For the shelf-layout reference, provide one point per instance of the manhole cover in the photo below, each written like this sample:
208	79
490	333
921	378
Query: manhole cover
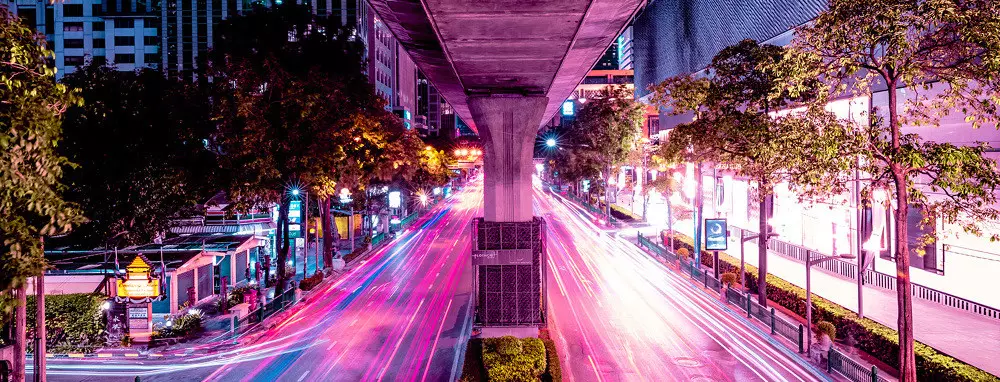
687	362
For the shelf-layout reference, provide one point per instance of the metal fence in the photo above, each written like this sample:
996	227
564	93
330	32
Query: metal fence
276	305
792	331
836	361
879	279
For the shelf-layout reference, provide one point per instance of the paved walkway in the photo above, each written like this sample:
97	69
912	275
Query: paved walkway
967	336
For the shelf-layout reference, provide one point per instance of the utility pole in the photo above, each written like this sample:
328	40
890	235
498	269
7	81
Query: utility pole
40	351
305	235
698	202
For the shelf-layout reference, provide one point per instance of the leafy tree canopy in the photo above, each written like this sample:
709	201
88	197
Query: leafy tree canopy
138	142
31	109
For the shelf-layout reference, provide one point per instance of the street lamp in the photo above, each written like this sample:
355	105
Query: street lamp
810	261
743	240
551	142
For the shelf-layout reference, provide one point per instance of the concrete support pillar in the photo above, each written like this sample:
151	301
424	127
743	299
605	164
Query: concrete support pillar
507	126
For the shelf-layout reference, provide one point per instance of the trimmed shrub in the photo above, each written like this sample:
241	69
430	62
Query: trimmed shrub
728	278
73	322
683	253
871	337
553	373
508	358
310	282
828	328
188	325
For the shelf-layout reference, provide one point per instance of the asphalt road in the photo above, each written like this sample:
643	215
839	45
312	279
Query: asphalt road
618	315
402	314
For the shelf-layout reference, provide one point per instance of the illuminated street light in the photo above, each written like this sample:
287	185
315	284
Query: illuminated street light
295	191
551	142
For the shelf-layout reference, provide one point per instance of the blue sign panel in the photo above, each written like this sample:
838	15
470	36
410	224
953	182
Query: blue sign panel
716	235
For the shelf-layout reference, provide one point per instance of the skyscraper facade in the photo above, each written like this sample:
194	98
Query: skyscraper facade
122	32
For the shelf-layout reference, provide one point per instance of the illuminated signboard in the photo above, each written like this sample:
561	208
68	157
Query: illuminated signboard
139	285
716	235
395	200
567	108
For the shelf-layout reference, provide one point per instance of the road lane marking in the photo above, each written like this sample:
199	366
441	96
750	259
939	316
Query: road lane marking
401	337
331	345
436	338
303	376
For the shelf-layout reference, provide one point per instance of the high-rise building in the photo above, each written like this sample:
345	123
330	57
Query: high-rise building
405	87
624	44
187	28
122	32
608	61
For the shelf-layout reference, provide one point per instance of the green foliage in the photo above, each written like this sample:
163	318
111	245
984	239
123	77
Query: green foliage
553	373
31	109
73	322
310	282
728	278
511	359
828	328
188	325
945	54
472	368
684	253
871	337
138	142
601	137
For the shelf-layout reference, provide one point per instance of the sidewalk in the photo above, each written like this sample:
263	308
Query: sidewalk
946	329
969	337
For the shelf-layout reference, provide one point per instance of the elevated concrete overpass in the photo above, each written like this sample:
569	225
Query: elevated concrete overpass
505	65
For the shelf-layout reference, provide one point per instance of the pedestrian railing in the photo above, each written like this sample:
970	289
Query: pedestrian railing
276	305
379	238
836	361
790	330
879	279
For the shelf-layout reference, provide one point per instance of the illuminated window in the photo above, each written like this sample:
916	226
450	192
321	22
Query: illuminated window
567	108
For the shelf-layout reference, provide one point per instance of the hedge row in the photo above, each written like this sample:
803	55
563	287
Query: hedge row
311	282
509	358
871	337
73	322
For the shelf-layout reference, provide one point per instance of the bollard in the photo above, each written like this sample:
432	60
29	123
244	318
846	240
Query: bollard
874	374
829	360
748	306
801	345
772	320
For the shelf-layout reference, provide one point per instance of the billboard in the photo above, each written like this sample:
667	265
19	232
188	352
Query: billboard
716	235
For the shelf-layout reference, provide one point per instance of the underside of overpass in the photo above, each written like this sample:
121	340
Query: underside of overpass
505	65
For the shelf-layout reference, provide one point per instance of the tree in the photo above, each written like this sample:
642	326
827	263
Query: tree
138	142
734	124
31	204
294	105
603	134
946	54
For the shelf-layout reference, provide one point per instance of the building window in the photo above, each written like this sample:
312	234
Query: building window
98	60
150	40
73	43
923	254
73	10
124	58
98	26
73	60
151	58
98	43
124	40
124	23
95	10
73	27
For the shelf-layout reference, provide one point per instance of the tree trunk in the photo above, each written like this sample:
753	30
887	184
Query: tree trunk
327	232
907	358
40	326
20	324
762	247
283	245
699	201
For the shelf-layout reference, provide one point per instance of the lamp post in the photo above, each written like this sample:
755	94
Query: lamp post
810	261
743	240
